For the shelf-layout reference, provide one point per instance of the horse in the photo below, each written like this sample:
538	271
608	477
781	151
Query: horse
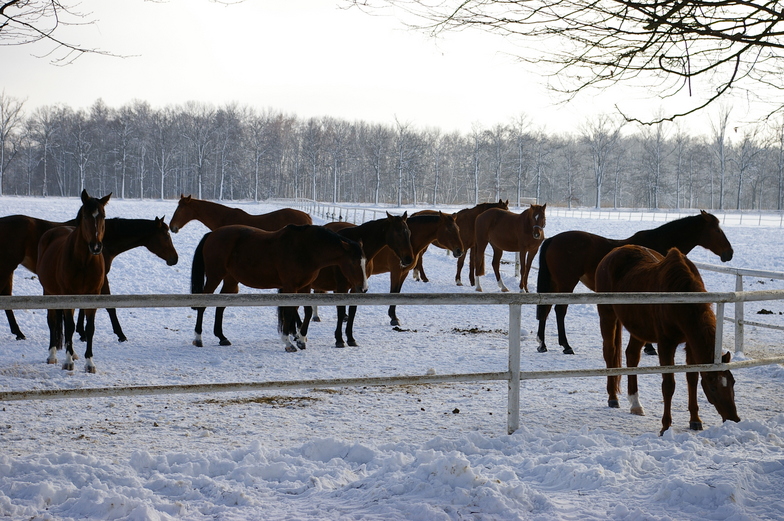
465	219
122	235
214	215
288	259
70	263
424	230
634	268
391	232
20	235
508	231
571	257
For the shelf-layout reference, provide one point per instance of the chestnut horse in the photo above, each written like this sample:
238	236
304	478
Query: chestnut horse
288	259
123	235
20	235
634	268
214	215
425	229
70	263
508	231
465	219
571	257
392	232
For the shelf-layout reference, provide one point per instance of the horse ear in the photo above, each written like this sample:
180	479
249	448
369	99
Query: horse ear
105	200
85	196
544	206
405	215
389	215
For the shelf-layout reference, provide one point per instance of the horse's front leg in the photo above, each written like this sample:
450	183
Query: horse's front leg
341	310
396	278
528	258
611	349
197	340
70	327
9	313
695	423
560	316
54	319
633	360
497	254
89	329
667	357
352	312
229	287
542	311
287	326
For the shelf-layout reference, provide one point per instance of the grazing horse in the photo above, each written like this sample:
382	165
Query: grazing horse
214	215
571	257
288	259
123	235
465	219
424	230
20	235
508	231
392	232
634	268
70	263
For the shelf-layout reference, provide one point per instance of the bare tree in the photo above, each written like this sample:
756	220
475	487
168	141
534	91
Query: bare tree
670	44
601	136
11	118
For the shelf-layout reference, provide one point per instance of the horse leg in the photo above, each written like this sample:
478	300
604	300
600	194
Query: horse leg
55	322
229	286
497	254
116	327
352	312
460	263
667	357
560	314
419	270
287	326
197	341
649	349
528	258
695	423
68	321
542	311
396	279
611	349
80	326
301	327
9	313
633	349
89	329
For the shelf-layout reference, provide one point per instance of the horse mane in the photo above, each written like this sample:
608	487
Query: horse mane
673	229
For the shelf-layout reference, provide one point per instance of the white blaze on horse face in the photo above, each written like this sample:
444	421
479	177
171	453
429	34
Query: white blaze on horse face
363	264
723	381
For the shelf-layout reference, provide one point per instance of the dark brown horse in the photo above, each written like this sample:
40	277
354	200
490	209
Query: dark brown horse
508	231
20	235
465	219
424	230
288	259
70	263
571	257
638	269
123	235
214	215
391	232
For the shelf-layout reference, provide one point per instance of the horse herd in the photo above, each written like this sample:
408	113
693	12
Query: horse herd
283	250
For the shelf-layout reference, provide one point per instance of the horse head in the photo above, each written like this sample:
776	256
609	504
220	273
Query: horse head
182	215
162	245
719	388
538	220
91	221
353	265
448	235
713	237
398	238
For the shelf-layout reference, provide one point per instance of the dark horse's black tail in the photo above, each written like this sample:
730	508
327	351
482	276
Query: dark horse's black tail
543	280
197	267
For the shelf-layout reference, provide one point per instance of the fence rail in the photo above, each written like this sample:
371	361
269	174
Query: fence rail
514	301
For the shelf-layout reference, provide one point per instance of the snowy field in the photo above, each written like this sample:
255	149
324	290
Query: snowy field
435	452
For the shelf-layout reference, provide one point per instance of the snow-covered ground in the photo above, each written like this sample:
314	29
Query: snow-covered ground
428	452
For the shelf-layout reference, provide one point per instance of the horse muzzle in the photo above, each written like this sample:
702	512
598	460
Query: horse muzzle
96	248
405	262
171	261
457	253
174	229
726	256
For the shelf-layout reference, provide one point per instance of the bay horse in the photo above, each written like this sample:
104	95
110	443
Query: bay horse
633	268
424	230
20	235
126	234
465	219
391	232
508	231
70	263
288	259
215	215
571	257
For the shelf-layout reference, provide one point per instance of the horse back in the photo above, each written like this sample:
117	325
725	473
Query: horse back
573	257
278	219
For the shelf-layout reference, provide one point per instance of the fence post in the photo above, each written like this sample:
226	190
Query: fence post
513	396
719	333
739	317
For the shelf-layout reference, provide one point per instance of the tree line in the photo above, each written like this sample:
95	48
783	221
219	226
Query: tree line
237	152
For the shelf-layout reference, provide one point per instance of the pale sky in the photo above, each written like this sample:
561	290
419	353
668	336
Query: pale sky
307	58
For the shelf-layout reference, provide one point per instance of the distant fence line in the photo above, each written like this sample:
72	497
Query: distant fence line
513	375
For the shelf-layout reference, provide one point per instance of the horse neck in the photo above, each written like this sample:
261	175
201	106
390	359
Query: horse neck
372	234
122	235
424	230
215	215
682	234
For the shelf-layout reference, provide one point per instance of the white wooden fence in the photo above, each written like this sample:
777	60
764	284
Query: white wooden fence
513	375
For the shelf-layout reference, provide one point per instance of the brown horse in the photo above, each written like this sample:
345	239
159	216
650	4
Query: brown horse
214	215
288	259
123	235
633	268
508	231
424	230
20	235
70	263
571	257
392	232
465	219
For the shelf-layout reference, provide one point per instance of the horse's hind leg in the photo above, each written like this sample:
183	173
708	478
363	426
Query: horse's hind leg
497	254
633	350
218	327
542	311
352	311
560	314
341	310
695	423
55	322
89	329
197	341
9	313
611	349
649	349
116	327
70	356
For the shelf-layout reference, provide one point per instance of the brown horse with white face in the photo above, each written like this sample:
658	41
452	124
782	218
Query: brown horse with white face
70	262
214	215
634	268
508	231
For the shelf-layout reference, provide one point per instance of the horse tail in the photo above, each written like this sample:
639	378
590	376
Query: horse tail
544	281
198	269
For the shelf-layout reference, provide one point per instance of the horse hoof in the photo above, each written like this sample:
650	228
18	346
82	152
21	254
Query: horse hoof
122	338
695	426
639	411
650	350
291	349
198	343
20	336
614	404
90	369
68	366
458	283
51	361
394	322
568	351
316	319
340	344
541	349
352	343
301	345
225	342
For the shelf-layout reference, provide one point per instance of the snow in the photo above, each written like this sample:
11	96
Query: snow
430	452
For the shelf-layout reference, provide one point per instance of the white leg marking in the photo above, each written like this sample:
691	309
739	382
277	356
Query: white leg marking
636	407
52	356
